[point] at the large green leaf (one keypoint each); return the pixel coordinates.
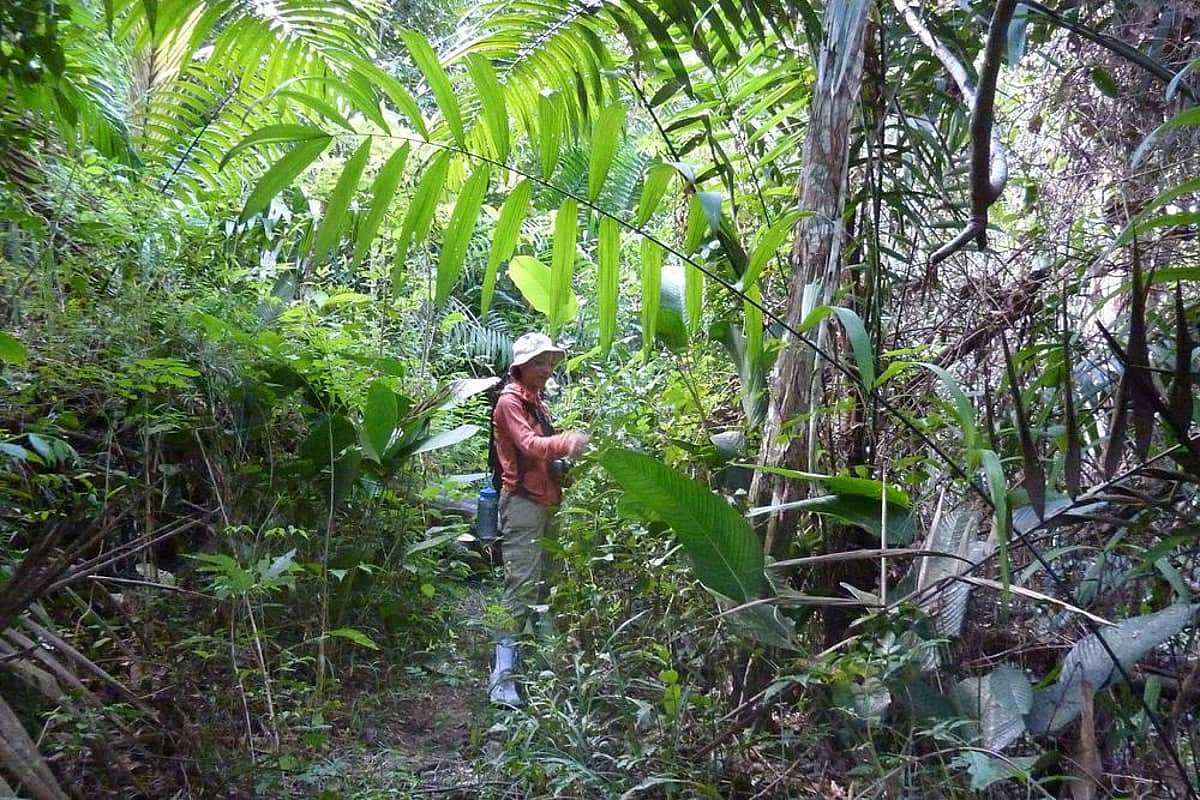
(397, 93)
(652, 262)
(282, 173)
(419, 216)
(562, 260)
(608, 252)
(427, 61)
(379, 420)
(328, 440)
(491, 98)
(324, 109)
(532, 278)
(460, 230)
(354, 635)
(696, 229)
(334, 219)
(606, 136)
(344, 473)
(671, 326)
(753, 315)
(723, 549)
(693, 280)
(504, 241)
(666, 44)
(842, 484)
(383, 190)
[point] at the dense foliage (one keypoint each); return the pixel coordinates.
(882, 317)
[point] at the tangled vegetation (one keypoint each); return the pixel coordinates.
(882, 317)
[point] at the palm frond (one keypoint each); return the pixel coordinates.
(547, 46)
(213, 72)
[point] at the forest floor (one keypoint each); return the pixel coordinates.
(419, 730)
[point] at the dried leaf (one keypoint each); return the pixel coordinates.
(1117, 426)
(1141, 386)
(1179, 398)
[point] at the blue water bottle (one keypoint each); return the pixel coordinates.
(487, 515)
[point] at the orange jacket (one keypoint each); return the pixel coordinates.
(523, 448)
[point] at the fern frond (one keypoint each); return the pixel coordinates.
(485, 342)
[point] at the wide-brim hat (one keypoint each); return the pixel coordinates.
(532, 345)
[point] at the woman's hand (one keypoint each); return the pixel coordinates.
(576, 443)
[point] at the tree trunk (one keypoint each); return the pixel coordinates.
(816, 258)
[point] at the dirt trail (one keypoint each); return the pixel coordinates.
(421, 734)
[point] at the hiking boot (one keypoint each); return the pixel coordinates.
(502, 689)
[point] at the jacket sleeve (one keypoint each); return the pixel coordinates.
(510, 417)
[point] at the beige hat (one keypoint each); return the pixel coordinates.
(532, 345)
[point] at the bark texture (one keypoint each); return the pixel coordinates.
(816, 258)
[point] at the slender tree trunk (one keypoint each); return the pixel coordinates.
(816, 258)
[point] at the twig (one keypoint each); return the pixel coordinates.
(165, 586)
(213, 477)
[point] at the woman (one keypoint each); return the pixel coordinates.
(527, 448)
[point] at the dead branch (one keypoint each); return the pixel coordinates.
(989, 159)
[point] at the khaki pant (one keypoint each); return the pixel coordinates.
(528, 567)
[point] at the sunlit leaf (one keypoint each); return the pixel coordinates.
(606, 136)
(419, 216)
(607, 272)
(753, 321)
(443, 93)
(460, 230)
(447, 439)
(334, 219)
(551, 124)
(694, 297)
(383, 190)
(504, 241)
(491, 98)
(562, 263)
(768, 244)
(856, 332)
(356, 636)
(532, 278)
(274, 134)
(11, 349)
(654, 186)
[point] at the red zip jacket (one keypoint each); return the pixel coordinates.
(519, 440)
